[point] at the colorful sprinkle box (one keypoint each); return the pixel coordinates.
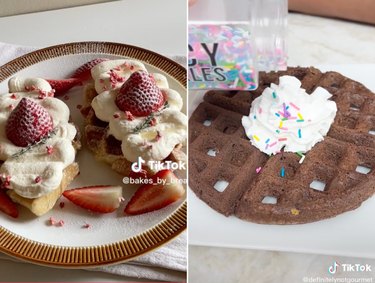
(221, 56)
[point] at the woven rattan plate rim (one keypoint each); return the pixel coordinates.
(86, 256)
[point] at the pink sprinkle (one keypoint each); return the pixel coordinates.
(129, 116)
(272, 144)
(258, 170)
(114, 78)
(147, 145)
(61, 223)
(13, 96)
(260, 110)
(152, 78)
(62, 204)
(5, 181)
(282, 139)
(283, 128)
(30, 88)
(292, 118)
(52, 221)
(158, 136)
(42, 94)
(38, 179)
(294, 106)
(49, 149)
(86, 225)
(153, 122)
(281, 113)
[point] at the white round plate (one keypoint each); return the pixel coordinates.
(111, 237)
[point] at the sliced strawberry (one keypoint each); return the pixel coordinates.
(7, 205)
(62, 86)
(28, 123)
(83, 73)
(103, 199)
(140, 95)
(150, 197)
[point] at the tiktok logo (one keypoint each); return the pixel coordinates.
(137, 166)
(333, 268)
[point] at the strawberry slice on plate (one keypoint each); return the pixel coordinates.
(150, 197)
(7, 205)
(83, 73)
(140, 95)
(103, 199)
(62, 86)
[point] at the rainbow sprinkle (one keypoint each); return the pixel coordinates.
(256, 137)
(299, 133)
(268, 140)
(274, 95)
(281, 125)
(299, 153)
(282, 139)
(258, 170)
(272, 144)
(302, 159)
(300, 116)
(282, 172)
(294, 106)
(294, 211)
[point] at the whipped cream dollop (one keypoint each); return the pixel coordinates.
(286, 116)
(40, 170)
(153, 143)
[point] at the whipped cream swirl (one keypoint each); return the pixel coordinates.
(153, 143)
(285, 116)
(37, 163)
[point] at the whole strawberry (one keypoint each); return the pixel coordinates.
(140, 95)
(28, 123)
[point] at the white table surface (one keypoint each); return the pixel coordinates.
(312, 41)
(159, 25)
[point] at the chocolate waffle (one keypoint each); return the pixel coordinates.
(108, 149)
(343, 164)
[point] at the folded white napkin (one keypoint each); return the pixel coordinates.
(167, 263)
